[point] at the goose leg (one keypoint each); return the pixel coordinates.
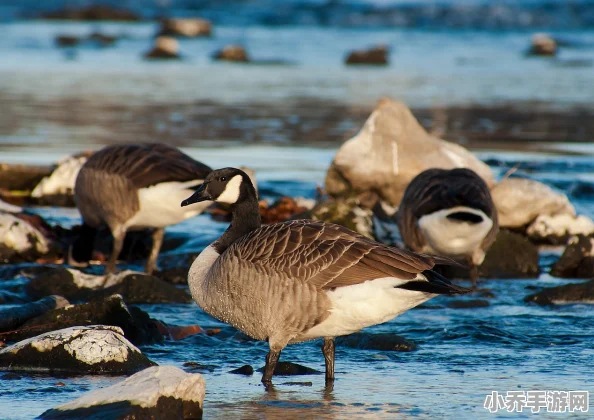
(151, 264)
(328, 350)
(473, 273)
(271, 360)
(118, 243)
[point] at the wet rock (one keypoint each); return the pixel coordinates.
(159, 392)
(290, 369)
(566, 294)
(134, 287)
(234, 53)
(102, 40)
(380, 341)
(542, 45)
(389, 151)
(246, 370)
(67, 40)
(16, 316)
(138, 327)
(558, 229)
(199, 367)
(165, 48)
(188, 27)
(510, 256)
(374, 56)
(92, 13)
(281, 210)
(16, 177)
(96, 349)
(61, 180)
(20, 240)
(520, 201)
(175, 275)
(468, 303)
(577, 260)
(346, 212)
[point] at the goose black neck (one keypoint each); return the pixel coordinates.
(245, 218)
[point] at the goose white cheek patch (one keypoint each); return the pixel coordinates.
(231, 193)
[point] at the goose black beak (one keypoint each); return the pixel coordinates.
(197, 197)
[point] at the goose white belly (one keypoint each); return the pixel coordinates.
(160, 205)
(453, 237)
(365, 304)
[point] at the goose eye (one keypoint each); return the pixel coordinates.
(223, 178)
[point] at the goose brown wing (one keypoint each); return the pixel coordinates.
(146, 165)
(323, 254)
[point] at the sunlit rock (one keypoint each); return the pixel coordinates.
(96, 349)
(234, 53)
(347, 212)
(559, 228)
(62, 179)
(185, 27)
(543, 45)
(20, 240)
(165, 47)
(577, 260)
(564, 295)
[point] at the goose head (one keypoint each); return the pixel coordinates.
(227, 185)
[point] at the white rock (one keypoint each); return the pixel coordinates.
(62, 179)
(9, 208)
(91, 281)
(20, 236)
(560, 226)
(145, 388)
(390, 150)
(519, 201)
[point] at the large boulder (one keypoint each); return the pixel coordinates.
(185, 27)
(133, 286)
(160, 392)
(389, 151)
(373, 56)
(15, 316)
(559, 228)
(96, 349)
(510, 256)
(138, 327)
(519, 201)
(577, 260)
(564, 295)
(20, 240)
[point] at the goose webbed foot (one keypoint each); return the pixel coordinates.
(328, 349)
(271, 360)
(473, 273)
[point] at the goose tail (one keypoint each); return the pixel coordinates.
(436, 284)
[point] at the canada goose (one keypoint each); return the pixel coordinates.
(302, 279)
(134, 186)
(449, 213)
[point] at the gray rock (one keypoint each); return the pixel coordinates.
(577, 260)
(96, 349)
(563, 295)
(163, 392)
(16, 316)
(138, 327)
(381, 341)
(389, 151)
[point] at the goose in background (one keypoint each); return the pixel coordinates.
(301, 280)
(449, 213)
(135, 186)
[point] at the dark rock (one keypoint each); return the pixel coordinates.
(188, 27)
(380, 341)
(374, 56)
(67, 40)
(102, 40)
(175, 275)
(246, 370)
(138, 327)
(290, 369)
(163, 392)
(199, 367)
(97, 349)
(14, 317)
(510, 256)
(468, 303)
(234, 53)
(347, 212)
(165, 48)
(577, 260)
(16, 177)
(566, 294)
(134, 287)
(11, 376)
(20, 238)
(93, 13)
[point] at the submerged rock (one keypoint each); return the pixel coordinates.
(558, 229)
(186, 27)
(468, 303)
(16, 316)
(563, 295)
(577, 260)
(62, 179)
(133, 286)
(520, 201)
(542, 45)
(96, 349)
(374, 56)
(381, 341)
(63, 41)
(138, 327)
(20, 240)
(245, 370)
(160, 392)
(346, 212)
(510, 256)
(165, 47)
(234, 53)
(290, 369)
(92, 13)
(389, 151)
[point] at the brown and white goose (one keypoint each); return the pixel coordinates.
(449, 213)
(301, 280)
(135, 186)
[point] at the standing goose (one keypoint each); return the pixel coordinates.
(449, 213)
(301, 280)
(128, 187)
